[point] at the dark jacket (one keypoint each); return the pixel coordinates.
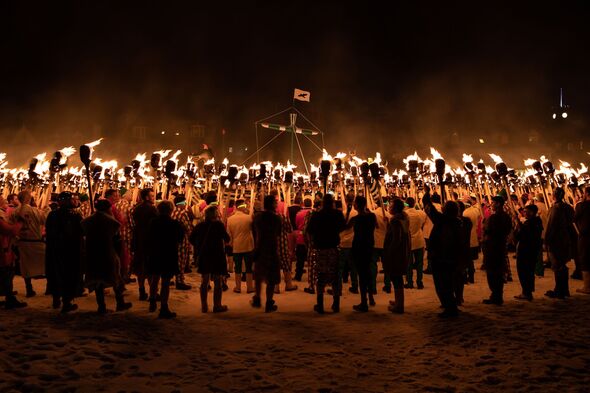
(397, 247)
(142, 215)
(324, 228)
(164, 236)
(446, 237)
(529, 240)
(267, 232)
(496, 230)
(63, 254)
(209, 238)
(560, 236)
(582, 217)
(466, 227)
(102, 248)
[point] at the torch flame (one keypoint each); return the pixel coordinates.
(435, 154)
(175, 156)
(95, 143)
(529, 161)
(467, 158)
(497, 159)
(326, 156)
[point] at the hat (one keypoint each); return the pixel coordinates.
(498, 199)
(64, 196)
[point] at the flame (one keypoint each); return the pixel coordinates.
(565, 164)
(543, 159)
(467, 158)
(41, 157)
(290, 166)
(2, 156)
(377, 159)
(497, 159)
(435, 154)
(163, 153)
(340, 155)
(210, 161)
(583, 168)
(529, 161)
(95, 143)
(141, 158)
(326, 156)
(67, 151)
(175, 156)
(225, 161)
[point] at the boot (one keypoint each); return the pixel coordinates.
(555, 292)
(270, 306)
(67, 307)
(142, 294)
(122, 305)
(399, 302)
(165, 313)
(336, 304)
(564, 283)
(102, 307)
(238, 287)
(371, 300)
(319, 307)
(586, 288)
(153, 305)
(29, 287)
(12, 303)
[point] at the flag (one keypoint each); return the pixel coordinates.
(301, 95)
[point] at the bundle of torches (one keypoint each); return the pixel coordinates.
(340, 175)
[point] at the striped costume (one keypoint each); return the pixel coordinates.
(181, 215)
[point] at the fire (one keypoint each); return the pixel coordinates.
(290, 166)
(163, 153)
(95, 143)
(141, 158)
(175, 156)
(497, 159)
(435, 154)
(67, 151)
(529, 161)
(467, 158)
(326, 156)
(210, 161)
(41, 157)
(377, 159)
(340, 155)
(565, 164)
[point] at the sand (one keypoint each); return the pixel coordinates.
(519, 347)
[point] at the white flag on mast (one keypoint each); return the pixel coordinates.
(301, 95)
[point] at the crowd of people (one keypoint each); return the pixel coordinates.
(335, 239)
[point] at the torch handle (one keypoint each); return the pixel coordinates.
(90, 196)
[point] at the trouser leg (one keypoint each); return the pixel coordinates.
(301, 256)
(496, 285)
(99, 292)
(373, 272)
(418, 258)
(217, 291)
(364, 277)
(165, 293)
(203, 290)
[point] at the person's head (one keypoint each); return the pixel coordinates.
(103, 206)
(24, 197)
(242, 206)
(75, 200)
(411, 202)
(587, 193)
(298, 200)
(451, 209)
(338, 204)
(12, 200)
(397, 206)
(497, 203)
(360, 203)
(165, 208)
(530, 211)
(211, 197)
(558, 195)
(328, 202)
(270, 203)
(83, 198)
(307, 202)
(112, 195)
(455, 196)
(180, 201)
(64, 200)
(435, 198)
(147, 195)
(275, 193)
(461, 206)
(540, 197)
(212, 213)
(317, 205)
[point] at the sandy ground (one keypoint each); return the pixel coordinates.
(519, 347)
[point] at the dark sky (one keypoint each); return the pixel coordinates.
(375, 72)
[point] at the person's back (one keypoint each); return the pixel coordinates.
(496, 232)
(382, 217)
(100, 230)
(239, 227)
(364, 231)
(474, 215)
(560, 234)
(529, 241)
(165, 234)
(416, 220)
(267, 229)
(324, 228)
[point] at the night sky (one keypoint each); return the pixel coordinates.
(375, 73)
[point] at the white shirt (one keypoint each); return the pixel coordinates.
(417, 220)
(473, 213)
(239, 228)
(381, 229)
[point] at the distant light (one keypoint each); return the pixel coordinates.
(564, 115)
(555, 116)
(481, 141)
(246, 149)
(178, 133)
(163, 132)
